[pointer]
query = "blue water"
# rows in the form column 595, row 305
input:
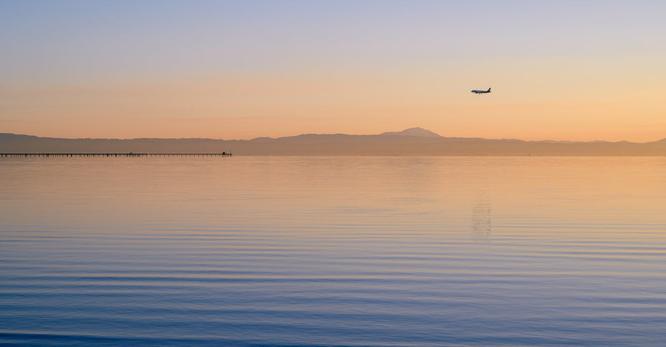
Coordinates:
column 357, row 251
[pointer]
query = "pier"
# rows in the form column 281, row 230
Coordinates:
column 130, row 154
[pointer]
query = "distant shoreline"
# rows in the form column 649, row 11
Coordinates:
column 129, row 154
column 409, row 142
column 126, row 155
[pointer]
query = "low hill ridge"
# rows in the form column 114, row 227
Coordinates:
column 417, row 132
column 409, row 142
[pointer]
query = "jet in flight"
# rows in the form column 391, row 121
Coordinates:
column 480, row 91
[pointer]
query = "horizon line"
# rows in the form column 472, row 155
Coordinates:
column 386, row 133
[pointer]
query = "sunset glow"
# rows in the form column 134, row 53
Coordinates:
column 567, row 70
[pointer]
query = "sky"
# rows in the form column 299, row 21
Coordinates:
column 563, row 70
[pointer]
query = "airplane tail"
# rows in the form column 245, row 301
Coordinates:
column 488, row 90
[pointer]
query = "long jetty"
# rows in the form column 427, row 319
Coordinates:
column 130, row 154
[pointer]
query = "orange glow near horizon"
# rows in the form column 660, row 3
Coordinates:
column 244, row 107
column 561, row 71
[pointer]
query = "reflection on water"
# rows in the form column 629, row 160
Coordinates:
column 333, row 251
column 482, row 224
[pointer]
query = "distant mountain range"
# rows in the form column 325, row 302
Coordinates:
column 413, row 141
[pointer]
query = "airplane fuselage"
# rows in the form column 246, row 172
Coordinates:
column 479, row 91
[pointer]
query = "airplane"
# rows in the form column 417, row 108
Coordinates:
column 477, row 91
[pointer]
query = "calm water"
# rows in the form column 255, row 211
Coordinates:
column 333, row 251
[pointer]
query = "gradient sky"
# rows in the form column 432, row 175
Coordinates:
column 575, row 70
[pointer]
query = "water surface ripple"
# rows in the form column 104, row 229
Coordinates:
column 335, row 251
